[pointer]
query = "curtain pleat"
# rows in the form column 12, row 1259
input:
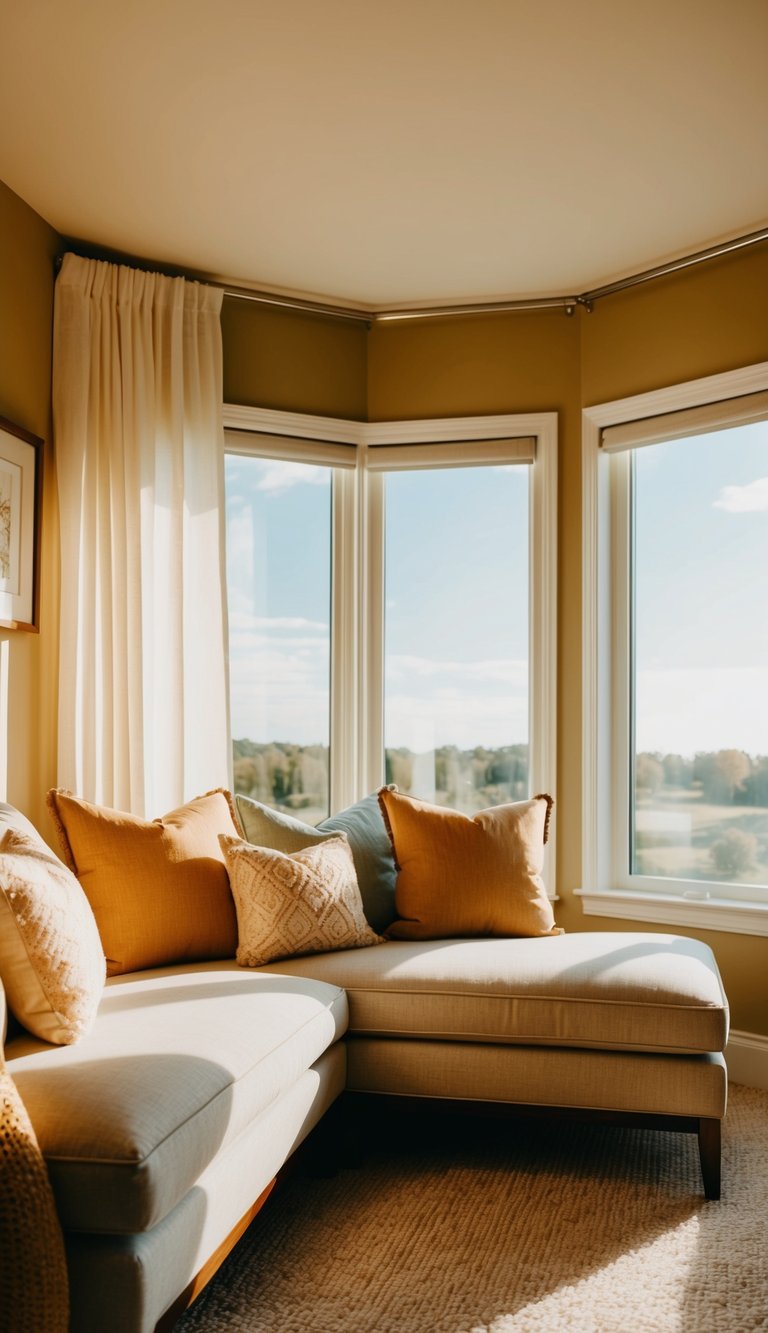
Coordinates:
column 143, row 711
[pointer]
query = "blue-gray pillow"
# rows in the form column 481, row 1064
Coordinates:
column 368, row 839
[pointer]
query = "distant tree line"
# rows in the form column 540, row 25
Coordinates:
column 479, row 776
column 722, row 777
column 280, row 773
column 296, row 776
column 717, row 778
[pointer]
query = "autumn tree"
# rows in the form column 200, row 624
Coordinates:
column 733, row 766
column 649, row 774
column 734, row 853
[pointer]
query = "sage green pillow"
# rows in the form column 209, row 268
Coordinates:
column 368, row 839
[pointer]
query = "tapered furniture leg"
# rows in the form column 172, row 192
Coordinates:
column 709, row 1153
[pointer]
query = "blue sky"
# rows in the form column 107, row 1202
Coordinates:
column 702, row 593
column 456, row 598
column 456, row 643
column 456, row 629
column 278, row 576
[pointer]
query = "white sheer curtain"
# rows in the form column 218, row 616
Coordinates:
column 143, row 712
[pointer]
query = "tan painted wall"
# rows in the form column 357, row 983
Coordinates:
column 28, row 247
column 293, row 362
column 698, row 322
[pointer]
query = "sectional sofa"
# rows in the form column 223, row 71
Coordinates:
column 165, row 1121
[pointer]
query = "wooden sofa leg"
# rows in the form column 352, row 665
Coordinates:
column 709, row 1153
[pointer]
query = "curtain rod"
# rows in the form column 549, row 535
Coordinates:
column 675, row 265
column 566, row 303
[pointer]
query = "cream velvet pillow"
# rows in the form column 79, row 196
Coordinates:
column 468, row 876
column 298, row 903
column 51, row 958
column 159, row 890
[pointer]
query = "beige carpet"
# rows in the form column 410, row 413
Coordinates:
column 488, row 1227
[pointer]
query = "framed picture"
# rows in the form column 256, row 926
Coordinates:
column 21, row 466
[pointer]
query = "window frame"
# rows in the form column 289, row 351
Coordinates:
column 608, row 888
column 357, row 600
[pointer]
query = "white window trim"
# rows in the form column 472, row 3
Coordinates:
column 358, row 686
column 604, row 709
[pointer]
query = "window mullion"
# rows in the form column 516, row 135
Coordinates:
column 621, row 620
column 345, row 614
column 542, row 613
column 370, row 694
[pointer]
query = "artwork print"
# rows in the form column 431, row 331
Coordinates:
column 10, row 526
column 21, row 456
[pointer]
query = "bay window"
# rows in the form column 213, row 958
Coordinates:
column 391, row 595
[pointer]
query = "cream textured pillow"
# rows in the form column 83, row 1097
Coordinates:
column 159, row 890
column 51, row 958
column 305, row 902
column 468, row 876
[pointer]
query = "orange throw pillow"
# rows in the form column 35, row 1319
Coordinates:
column 159, row 890
column 459, row 875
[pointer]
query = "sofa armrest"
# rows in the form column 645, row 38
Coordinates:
column 33, row 1266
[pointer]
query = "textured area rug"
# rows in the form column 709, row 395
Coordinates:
column 478, row 1226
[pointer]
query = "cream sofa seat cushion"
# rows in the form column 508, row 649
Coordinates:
column 178, row 1063
column 615, row 991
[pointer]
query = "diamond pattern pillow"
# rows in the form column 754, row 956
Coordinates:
column 299, row 903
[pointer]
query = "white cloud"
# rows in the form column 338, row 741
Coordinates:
column 456, row 718
column 431, row 703
column 245, row 647
column 278, row 476
column 706, row 708
column 517, row 471
column 279, row 690
column 749, row 499
column 243, row 622
column 508, row 671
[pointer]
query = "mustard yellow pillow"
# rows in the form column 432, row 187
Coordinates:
column 51, row 959
column 295, row 903
column 159, row 890
column 468, row 876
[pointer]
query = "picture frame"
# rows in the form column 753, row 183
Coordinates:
column 21, row 467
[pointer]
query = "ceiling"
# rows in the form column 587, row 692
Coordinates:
column 391, row 152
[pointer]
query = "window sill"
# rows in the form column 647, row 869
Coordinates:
column 733, row 916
